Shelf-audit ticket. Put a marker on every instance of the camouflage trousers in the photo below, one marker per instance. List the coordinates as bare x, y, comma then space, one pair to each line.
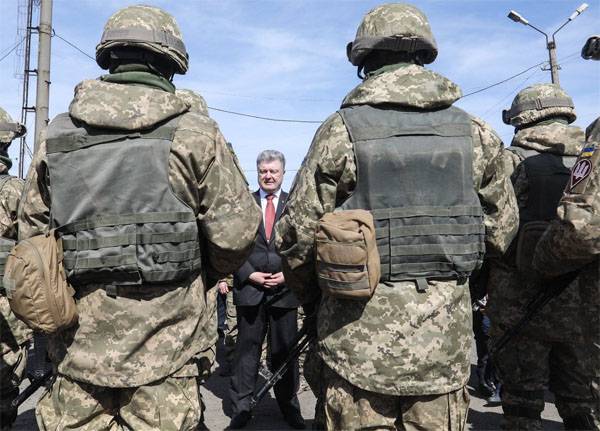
231, 332
312, 371
348, 407
14, 343
169, 404
531, 365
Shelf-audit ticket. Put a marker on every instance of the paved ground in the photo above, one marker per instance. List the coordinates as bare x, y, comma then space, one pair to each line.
267, 416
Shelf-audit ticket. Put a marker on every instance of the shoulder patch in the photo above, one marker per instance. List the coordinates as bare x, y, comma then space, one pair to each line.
580, 173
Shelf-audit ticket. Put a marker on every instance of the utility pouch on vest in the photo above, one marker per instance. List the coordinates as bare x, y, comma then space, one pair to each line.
528, 238
36, 285
346, 254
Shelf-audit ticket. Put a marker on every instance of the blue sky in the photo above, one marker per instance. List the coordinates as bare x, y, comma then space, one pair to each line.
286, 59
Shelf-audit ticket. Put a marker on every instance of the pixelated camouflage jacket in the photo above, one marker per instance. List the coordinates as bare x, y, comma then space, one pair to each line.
132, 341
508, 290
572, 242
400, 342
13, 332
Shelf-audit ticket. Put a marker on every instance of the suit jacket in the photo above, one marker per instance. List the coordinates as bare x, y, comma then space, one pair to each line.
264, 258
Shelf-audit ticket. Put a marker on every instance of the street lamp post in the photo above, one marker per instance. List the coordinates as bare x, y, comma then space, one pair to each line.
550, 44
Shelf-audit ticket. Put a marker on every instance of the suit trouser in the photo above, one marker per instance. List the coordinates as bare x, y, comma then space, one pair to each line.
253, 322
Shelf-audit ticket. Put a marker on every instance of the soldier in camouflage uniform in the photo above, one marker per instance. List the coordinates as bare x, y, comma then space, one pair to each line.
14, 334
401, 359
152, 211
552, 348
572, 243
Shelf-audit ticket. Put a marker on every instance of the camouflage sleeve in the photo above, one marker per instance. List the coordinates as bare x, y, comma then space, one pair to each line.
325, 180
34, 209
572, 240
10, 196
501, 213
227, 213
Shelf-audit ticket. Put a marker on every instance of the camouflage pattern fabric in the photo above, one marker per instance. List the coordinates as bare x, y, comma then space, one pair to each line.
148, 18
206, 358
231, 332
194, 100
527, 365
385, 25
541, 92
555, 349
347, 407
400, 342
168, 404
14, 334
7, 136
572, 241
509, 292
136, 340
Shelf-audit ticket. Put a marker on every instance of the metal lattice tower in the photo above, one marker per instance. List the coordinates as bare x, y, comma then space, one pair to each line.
25, 11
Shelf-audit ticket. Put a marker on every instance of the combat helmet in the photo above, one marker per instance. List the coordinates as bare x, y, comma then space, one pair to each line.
538, 102
591, 49
145, 27
397, 27
9, 129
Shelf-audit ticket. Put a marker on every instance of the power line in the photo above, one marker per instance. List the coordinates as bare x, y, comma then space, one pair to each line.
284, 120
12, 49
54, 33
503, 81
287, 120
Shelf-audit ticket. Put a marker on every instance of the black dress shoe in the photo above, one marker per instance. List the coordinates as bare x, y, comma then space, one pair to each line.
295, 420
240, 420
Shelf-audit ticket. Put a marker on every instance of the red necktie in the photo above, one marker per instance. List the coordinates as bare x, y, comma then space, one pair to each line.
269, 216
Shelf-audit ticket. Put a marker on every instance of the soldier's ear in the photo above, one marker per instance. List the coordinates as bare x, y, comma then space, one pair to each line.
349, 50
506, 116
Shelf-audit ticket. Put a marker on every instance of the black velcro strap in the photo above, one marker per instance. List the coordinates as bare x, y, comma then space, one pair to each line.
10, 127
541, 103
137, 34
399, 43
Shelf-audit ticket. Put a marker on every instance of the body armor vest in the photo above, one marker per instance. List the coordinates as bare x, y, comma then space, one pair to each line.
415, 175
6, 244
112, 203
547, 176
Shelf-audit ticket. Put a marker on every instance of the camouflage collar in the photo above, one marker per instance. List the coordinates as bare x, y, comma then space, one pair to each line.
407, 85
141, 78
386, 68
554, 137
126, 107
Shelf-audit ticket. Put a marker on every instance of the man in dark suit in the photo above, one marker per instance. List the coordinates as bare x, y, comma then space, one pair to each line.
256, 283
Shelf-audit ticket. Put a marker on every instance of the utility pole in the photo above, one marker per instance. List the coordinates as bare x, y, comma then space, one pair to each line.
43, 70
550, 44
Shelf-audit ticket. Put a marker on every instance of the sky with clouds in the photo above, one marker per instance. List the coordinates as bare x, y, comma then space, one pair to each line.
287, 59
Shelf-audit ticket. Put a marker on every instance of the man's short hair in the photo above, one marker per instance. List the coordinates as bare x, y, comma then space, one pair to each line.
269, 156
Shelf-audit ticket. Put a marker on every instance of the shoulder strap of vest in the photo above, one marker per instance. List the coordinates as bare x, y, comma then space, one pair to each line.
522, 152
64, 137
366, 122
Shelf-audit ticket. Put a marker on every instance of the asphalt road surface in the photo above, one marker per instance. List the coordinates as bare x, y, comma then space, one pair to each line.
267, 416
